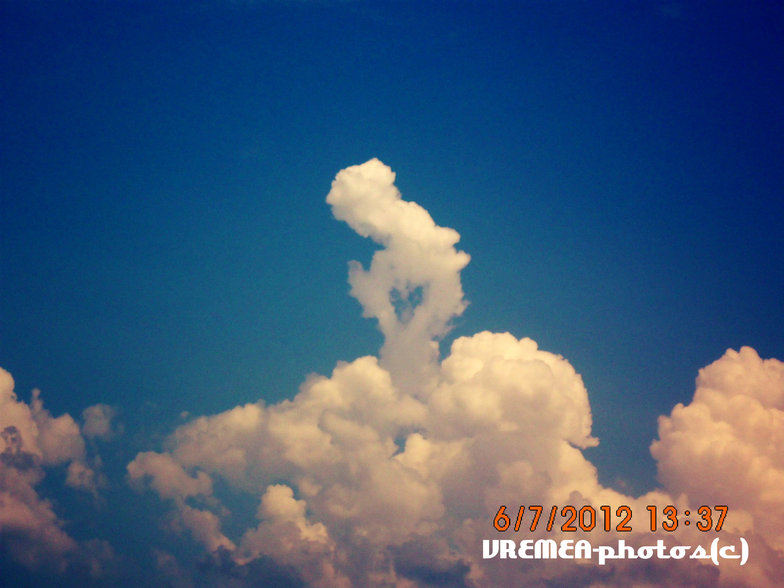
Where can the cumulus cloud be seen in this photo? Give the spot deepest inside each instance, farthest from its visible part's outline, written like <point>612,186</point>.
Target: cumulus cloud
<point>725,447</point>
<point>413,284</point>
<point>58,439</point>
<point>168,478</point>
<point>98,421</point>
<point>389,471</point>
<point>30,439</point>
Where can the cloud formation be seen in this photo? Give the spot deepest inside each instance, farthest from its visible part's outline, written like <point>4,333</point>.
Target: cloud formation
<point>30,440</point>
<point>725,447</point>
<point>98,421</point>
<point>413,284</point>
<point>390,471</point>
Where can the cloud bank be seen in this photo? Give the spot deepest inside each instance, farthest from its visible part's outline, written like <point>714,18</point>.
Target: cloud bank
<point>389,471</point>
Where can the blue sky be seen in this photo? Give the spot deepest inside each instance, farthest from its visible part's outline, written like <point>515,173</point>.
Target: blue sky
<point>613,169</point>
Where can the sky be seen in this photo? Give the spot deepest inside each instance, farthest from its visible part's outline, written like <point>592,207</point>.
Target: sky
<point>568,289</point>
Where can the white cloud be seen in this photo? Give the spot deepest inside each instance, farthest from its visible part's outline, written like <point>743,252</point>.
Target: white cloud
<point>167,477</point>
<point>98,421</point>
<point>30,438</point>
<point>733,431</point>
<point>725,447</point>
<point>80,475</point>
<point>204,525</point>
<point>58,439</point>
<point>413,284</point>
<point>286,535</point>
<point>389,472</point>
<point>31,530</point>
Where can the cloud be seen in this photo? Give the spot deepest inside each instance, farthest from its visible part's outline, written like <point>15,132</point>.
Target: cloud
<point>171,481</point>
<point>167,477</point>
<point>287,537</point>
<point>31,530</point>
<point>390,470</point>
<point>413,284</point>
<point>31,439</point>
<point>98,421</point>
<point>58,439</point>
<point>725,447</point>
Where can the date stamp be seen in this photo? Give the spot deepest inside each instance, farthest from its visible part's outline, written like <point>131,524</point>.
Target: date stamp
<point>570,519</point>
